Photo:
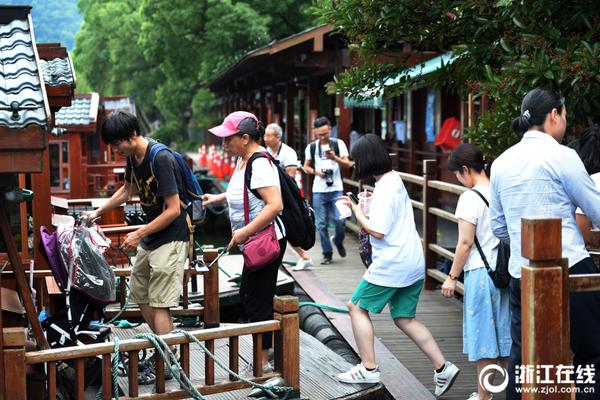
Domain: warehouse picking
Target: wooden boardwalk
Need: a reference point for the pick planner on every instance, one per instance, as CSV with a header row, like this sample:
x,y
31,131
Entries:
x,y
442,316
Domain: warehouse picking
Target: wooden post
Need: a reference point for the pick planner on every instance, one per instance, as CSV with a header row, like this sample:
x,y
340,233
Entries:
x,y
429,222
544,303
211,291
15,379
287,340
22,285
290,91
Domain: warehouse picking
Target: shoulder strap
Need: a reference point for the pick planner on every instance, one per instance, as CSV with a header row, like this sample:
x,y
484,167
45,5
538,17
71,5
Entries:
x,y
313,150
479,249
482,197
248,171
335,145
153,152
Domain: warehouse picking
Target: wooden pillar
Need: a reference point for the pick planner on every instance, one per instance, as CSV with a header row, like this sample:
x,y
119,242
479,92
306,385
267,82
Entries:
x,y
277,104
343,125
14,384
287,340
429,222
41,207
263,114
290,90
211,291
76,177
313,106
544,303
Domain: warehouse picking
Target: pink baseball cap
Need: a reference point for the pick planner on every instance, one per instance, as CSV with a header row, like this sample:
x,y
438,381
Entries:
x,y
236,122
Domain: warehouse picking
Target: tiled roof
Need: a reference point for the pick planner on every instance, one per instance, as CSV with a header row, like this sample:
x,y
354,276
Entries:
x,y
119,103
20,87
83,111
57,72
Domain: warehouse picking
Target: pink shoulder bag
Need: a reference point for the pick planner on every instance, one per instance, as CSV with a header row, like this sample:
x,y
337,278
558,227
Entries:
x,y
262,248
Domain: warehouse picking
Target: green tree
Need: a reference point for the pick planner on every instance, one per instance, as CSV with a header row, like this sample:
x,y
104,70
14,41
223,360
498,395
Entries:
x,y
503,47
53,20
165,52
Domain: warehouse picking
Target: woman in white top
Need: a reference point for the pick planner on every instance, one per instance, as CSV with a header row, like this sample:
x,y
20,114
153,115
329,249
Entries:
x,y
486,315
588,149
395,276
241,132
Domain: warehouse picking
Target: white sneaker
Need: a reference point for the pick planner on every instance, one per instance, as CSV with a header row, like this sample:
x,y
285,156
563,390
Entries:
x,y
303,264
359,374
444,380
475,396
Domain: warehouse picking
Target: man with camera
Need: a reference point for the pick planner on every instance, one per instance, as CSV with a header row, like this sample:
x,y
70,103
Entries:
x,y
323,158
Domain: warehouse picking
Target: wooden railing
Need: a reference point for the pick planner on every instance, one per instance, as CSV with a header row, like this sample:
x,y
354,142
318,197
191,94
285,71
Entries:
x,y
545,289
285,325
430,213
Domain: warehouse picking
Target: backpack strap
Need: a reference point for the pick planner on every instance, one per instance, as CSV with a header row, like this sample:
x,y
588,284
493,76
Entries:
x,y
479,249
335,146
248,171
313,149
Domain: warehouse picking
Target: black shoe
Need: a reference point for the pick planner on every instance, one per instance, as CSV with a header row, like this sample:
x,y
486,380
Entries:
x,y
341,249
326,259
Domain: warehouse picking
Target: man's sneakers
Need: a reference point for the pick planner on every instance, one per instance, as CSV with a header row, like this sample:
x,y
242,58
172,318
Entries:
x,y
326,259
359,374
444,380
340,247
303,264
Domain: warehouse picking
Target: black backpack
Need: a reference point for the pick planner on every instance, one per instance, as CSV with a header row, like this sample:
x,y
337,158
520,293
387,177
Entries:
x,y
297,216
500,276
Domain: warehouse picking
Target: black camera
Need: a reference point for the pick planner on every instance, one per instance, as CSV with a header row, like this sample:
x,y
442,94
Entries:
x,y
328,176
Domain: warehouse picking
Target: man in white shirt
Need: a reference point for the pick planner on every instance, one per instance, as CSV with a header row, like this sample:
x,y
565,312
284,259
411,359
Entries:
x,y
323,158
288,160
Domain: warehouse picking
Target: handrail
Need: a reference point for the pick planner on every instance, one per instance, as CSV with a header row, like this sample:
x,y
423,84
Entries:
x,y
411,178
92,350
584,283
443,214
447,187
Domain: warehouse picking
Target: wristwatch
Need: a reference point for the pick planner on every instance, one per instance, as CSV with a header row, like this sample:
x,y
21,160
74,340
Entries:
x,y
454,278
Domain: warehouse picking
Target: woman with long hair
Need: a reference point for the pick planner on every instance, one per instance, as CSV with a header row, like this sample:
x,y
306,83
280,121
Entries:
x,y
396,274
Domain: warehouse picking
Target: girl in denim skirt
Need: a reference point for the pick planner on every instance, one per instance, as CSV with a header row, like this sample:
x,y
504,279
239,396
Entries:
x,y
486,315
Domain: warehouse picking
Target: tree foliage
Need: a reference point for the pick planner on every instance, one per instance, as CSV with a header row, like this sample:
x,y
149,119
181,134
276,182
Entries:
x,y
504,49
53,20
165,52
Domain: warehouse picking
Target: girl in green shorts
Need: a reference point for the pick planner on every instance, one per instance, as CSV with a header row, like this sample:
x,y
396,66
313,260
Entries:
x,y
396,274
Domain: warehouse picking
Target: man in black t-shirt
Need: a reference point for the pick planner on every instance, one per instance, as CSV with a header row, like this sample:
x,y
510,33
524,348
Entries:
x,y
161,245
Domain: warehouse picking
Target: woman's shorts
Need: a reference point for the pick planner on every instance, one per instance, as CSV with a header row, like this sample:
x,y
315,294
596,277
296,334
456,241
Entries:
x,y
486,317
373,298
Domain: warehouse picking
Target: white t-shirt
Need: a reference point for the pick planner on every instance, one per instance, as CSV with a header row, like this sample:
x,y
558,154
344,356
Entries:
x,y
596,178
471,208
397,258
264,174
286,156
321,162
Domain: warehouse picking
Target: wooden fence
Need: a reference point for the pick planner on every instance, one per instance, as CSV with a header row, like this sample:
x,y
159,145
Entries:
x,y
285,325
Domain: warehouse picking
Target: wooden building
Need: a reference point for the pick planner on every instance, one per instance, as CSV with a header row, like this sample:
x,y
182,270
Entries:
x,y
286,82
